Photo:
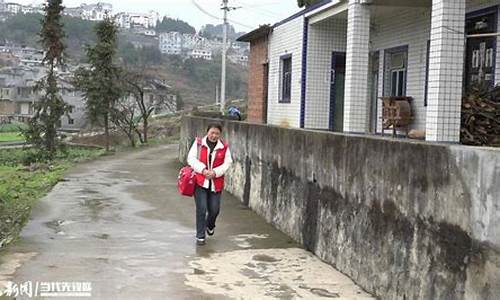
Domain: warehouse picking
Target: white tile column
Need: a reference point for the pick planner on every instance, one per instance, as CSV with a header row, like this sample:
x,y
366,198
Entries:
x,y
446,64
356,104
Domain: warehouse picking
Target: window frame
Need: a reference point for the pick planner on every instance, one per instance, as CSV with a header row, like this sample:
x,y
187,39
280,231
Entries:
x,y
388,71
285,97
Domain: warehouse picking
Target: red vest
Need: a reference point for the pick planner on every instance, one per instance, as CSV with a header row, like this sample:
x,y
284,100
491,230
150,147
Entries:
x,y
220,155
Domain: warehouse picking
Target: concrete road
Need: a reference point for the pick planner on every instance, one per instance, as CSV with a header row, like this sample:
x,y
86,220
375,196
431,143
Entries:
x,y
119,224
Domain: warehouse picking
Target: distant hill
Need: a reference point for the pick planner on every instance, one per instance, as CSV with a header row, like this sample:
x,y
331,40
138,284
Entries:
x,y
168,24
195,79
211,31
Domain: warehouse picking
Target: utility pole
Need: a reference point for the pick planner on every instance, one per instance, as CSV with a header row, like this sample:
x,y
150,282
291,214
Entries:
x,y
225,8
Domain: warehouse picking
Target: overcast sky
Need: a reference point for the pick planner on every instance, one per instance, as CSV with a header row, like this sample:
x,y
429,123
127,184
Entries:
x,y
251,14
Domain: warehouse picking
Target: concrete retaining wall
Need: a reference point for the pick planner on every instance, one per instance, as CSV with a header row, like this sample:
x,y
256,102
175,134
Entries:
x,y
405,220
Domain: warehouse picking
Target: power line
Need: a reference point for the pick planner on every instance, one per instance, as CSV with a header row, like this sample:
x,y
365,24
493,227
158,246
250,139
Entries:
x,y
217,18
263,11
204,11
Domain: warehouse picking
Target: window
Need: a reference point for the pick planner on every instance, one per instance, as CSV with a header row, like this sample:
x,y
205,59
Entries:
x,y
427,72
396,61
397,82
71,121
286,79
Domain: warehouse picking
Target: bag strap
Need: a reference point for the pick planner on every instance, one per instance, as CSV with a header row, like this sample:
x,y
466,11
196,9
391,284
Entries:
x,y
198,143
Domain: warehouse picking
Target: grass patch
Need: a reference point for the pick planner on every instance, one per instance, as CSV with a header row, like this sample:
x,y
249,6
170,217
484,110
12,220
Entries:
x,y
13,127
11,137
21,186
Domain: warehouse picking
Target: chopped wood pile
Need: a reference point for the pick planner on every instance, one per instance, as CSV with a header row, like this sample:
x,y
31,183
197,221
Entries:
x,y
481,117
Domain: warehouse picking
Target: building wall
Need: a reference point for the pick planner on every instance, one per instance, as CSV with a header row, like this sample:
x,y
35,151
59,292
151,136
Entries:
x,y
7,107
285,39
405,27
324,38
422,223
411,27
256,85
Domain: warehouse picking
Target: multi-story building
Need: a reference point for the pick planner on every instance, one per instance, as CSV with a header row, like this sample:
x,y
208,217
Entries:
x,y
27,56
200,53
141,20
123,20
18,97
328,66
32,9
13,8
191,44
145,20
96,12
76,12
171,43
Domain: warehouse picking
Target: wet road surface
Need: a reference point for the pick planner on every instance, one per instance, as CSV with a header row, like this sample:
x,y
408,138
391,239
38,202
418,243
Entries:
x,y
119,224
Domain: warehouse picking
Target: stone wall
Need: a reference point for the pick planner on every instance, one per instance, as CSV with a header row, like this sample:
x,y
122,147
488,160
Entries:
x,y
405,220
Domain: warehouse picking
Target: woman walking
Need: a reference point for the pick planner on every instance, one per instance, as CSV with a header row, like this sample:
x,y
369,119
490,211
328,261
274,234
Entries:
x,y
210,158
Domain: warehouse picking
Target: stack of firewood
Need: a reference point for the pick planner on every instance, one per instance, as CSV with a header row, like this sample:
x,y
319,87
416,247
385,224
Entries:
x,y
481,117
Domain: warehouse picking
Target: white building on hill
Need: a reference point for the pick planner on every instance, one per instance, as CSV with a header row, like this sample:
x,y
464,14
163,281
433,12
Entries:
x,y
96,12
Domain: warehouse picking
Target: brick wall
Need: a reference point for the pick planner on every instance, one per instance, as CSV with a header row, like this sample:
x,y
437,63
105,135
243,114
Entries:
x,y
257,80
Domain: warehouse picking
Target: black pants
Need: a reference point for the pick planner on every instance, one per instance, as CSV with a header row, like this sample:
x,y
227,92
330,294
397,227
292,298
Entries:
x,y
207,210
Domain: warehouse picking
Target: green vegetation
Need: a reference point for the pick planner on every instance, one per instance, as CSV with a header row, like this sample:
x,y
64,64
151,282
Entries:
x,y
168,24
21,187
195,79
23,29
211,31
11,137
100,84
12,132
42,131
146,56
306,3
13,127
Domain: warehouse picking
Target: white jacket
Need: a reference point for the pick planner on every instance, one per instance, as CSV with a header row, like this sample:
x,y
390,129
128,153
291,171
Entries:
x,y
198,166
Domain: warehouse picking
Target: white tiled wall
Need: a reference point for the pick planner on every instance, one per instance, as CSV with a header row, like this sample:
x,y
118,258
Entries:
x,y
356,104
446,71
497,67
324,38
406,27
285,39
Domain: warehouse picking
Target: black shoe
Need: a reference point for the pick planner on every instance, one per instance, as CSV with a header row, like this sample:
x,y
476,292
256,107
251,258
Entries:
x,y
200,242
210,232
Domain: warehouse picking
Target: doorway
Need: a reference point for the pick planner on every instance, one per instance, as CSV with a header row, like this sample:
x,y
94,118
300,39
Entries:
x,y
337,80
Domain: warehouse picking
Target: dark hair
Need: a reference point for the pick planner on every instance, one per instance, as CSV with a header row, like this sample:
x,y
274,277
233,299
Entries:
x,y
214,125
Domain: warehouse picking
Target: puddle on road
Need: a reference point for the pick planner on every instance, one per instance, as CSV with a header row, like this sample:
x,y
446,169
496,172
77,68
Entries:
x,y
103,236
270,274
9,263
243,240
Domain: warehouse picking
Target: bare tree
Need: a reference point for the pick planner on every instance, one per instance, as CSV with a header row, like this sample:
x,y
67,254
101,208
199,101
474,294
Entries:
x,y
124,117
151,95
